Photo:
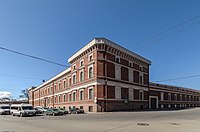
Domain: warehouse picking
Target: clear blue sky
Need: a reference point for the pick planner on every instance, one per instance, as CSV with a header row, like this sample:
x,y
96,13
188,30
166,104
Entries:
x,y
55,30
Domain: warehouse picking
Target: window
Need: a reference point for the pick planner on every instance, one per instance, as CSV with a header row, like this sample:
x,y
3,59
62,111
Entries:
x,y
81,107
51,89
141,95
141,68
64,84
50,100
70,97
141,79
59,99
81,76
81,63
48,90
81,95
59,86
69,82
64,98
180,97
54,87
74,96
117,59
175,97
130,64
90,72
74,67
90,58
90,108
90,93
169,96
74,79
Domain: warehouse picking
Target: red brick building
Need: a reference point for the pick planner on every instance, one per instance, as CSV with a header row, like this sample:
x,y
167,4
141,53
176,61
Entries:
x,y
103,77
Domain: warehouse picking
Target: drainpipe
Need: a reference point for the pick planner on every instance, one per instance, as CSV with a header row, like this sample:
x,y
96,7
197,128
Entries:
x,y
53,94
105,75
148,90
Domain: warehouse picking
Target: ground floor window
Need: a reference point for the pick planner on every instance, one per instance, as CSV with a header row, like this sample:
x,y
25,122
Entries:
x,y
90,108
81,107
90,93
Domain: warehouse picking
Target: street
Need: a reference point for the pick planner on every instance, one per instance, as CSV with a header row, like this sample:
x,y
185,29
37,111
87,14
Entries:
x,y
187,120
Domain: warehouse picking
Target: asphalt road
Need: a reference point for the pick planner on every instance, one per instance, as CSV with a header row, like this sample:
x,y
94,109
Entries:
x,y
146,121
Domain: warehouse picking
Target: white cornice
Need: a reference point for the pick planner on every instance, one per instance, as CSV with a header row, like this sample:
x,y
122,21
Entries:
x,y
54,78
110,43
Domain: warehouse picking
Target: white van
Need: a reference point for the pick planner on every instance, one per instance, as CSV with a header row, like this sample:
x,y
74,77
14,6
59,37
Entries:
x,y
4,109
22,110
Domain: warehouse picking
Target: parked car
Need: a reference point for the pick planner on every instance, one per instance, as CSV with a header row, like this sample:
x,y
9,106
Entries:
x,y
22,110
64,110
41,109
76,111
4,109
54,112
38,111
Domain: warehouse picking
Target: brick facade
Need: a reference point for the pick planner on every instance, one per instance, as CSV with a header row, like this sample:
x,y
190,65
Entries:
x,y
103,77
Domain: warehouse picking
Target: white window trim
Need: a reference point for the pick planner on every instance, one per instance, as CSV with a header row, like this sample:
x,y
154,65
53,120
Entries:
x,y
73,96
169,94
89,71
175,97
69,99
63,97
80,75
80,95
80,63
142,95
59,99
118,58
156,97
130,64
69,81
89,57
73,78
162,96
141,75
73,67
59,86
55,87
64,83
55,99
181,98
89,93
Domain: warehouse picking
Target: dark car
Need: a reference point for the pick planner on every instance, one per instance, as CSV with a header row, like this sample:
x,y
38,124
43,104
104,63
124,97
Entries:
x,y
76,111
54,112
38,111
64,111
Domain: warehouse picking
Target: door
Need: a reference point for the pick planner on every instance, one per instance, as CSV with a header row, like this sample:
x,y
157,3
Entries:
x,y
153,103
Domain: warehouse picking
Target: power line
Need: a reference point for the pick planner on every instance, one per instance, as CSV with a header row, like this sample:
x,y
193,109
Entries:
x,y
31,56
176,32
22,77
168,30
178,78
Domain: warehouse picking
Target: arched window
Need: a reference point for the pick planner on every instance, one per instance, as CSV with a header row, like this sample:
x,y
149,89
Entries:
x,y
64,98
81,76
59,86
74,79
90,72
64,84
74,96
59,99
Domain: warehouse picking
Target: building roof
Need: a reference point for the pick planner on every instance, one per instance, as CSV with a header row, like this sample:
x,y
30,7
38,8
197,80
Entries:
x,y
151,84
55,77
110,43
